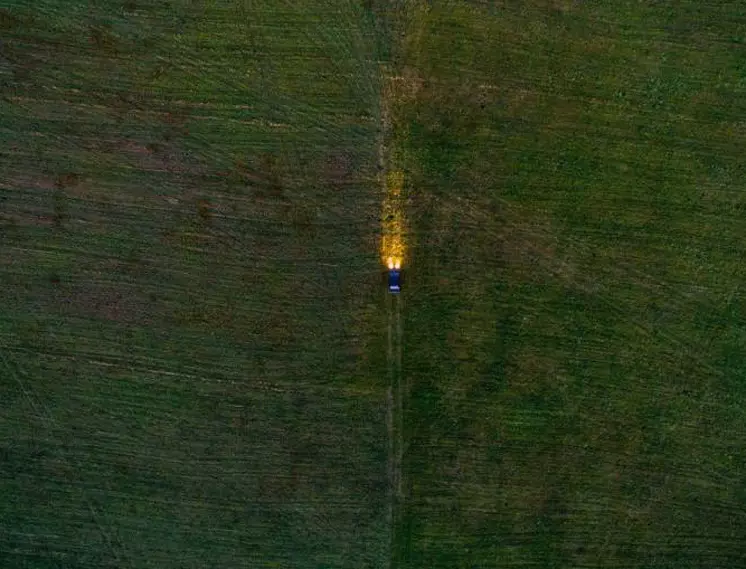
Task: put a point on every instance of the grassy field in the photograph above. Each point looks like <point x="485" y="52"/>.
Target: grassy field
<point x="193" y="331"/>
<point x="575" y="309"/>
<point x="190" y="336"/>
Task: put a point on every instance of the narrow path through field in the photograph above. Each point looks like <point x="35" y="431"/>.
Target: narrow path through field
<point x="395" y="418"/>
<point x="392" y="252"/>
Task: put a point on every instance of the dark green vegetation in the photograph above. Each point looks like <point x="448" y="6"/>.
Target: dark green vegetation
<point x="575" y="343"/>
<point x="190" y="338"/>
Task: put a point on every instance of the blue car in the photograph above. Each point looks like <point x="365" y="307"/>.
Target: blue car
<point x="394" y="281"/>
<point x="394" y="264"/>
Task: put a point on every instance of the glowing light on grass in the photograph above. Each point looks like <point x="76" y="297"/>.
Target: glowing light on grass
<point x="392" y="242"/>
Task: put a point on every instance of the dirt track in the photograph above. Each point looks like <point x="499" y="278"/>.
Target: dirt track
<point x="396" y="412"/>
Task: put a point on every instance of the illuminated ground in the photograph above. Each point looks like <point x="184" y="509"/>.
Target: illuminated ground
<point x="393" y="221"/>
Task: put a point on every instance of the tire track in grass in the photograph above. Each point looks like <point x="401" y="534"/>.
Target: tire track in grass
<point x="395" y="419"/>
<point x="392" y="250"/>
<point x="391" y="426"/>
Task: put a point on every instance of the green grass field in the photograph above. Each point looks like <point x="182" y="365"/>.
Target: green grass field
<point x="190" y="332"/>
<point x="575" y="321"/>
<point x="193" y="332"/>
